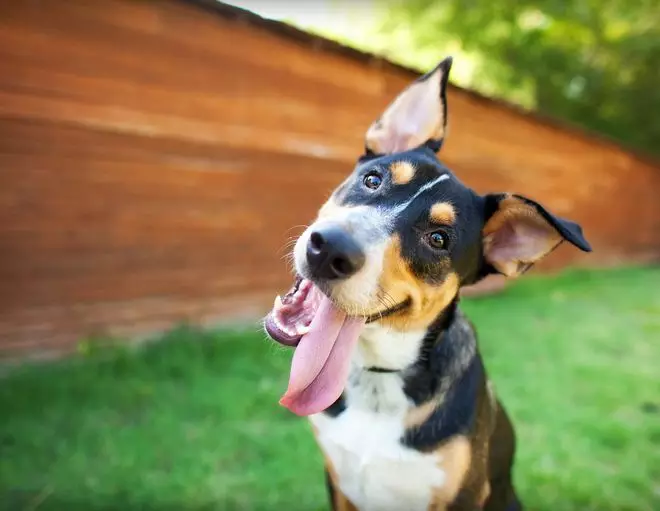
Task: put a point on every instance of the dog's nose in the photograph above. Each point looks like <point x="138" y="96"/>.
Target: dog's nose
<point x="332" y="253"/>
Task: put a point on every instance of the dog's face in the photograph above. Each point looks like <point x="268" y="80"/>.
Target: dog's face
<point x="395" y="241"/>
<point x="399" y="237"/>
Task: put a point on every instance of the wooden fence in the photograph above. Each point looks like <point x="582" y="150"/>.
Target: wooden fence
<point x="155" y="156"/>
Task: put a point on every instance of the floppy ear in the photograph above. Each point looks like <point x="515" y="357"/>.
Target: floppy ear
<point x="519" y="232"/>
<point x="417" y="116"/>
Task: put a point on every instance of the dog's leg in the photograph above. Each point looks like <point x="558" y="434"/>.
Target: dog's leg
<point x="502" y="495"/>
<point x="331" y="490"/>
<point x="338" y="501"/>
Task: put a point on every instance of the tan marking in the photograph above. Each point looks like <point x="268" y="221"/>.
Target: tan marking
<point x="443" y="213"/>
<point x="342" y="503"/>
<point x="454" y="457"/>
<point x="402" y="172"/>
<point x="492" y="399"/>
<point x="484" y="494"/>
<point x="400" y="284"/>
<point x="513" y="211"/>
<point x="510" y="208"/>
<point x="418" y="415"/>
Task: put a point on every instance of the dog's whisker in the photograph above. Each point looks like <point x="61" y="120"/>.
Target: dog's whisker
<point x="300" y="226"/>
<point x="288" y="245"/>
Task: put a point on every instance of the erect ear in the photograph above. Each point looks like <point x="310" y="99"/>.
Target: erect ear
<point x="519" y="232"/>
<point x="417" y="116"/>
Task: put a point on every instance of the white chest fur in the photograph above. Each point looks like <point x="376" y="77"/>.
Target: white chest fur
<point x="363" y="444"/>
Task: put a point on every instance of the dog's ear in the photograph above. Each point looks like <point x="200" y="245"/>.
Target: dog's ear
<point x="418" y="116"/>
<point x="518" y="232"/>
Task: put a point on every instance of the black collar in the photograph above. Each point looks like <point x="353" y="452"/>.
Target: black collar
<point x="381" y="370"/>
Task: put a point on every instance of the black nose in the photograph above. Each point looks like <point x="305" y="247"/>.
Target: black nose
<point x="333" y="254"/>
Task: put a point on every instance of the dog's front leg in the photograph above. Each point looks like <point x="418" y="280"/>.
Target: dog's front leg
<point x="338" y="501"/>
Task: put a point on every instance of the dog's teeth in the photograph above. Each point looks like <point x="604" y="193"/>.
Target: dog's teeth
<point x="278" y="302"/>
<point x="302" y="330"/>
<point x="283" y="328"/>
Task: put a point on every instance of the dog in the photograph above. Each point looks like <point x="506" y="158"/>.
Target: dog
<point x="386" y="365"/>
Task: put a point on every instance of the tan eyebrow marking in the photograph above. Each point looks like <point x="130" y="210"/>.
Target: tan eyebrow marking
<point x="443" y="213"/>
<point x="402" y="172"/>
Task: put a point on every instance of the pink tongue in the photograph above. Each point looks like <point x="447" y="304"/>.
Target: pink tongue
<point x="322" y="360"/>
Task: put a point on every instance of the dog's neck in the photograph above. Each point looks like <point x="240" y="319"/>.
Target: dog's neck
<point x="413" y="367"/>
<point x="382" y="349"/>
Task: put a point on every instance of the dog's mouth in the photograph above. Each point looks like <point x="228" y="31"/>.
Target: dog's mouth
<point x="324" y="336"/>
<point x="292" y="315"/>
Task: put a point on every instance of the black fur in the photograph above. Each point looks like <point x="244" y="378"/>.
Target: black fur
<point x="451" y="368"/>
<point x="455" y="416"/>
<point x="336" y="408"/>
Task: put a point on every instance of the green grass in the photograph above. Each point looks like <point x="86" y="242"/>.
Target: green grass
<point x="193" y="422"/>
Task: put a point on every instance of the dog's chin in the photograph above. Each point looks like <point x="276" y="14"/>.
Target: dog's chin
<point x="373" y="310"/>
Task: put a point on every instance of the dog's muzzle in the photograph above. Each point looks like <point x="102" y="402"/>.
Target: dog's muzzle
<point x="332" y="253"/>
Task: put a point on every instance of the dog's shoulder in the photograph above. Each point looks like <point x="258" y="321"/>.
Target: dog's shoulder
<point x="447" y="388"/>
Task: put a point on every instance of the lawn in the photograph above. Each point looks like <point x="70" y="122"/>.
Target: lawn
<point x="192" y="422"/>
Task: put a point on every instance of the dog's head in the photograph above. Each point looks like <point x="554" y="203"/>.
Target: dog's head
<point x="398" y="238"/>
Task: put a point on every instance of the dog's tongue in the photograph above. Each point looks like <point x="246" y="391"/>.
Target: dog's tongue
<point x="321" y="360"/>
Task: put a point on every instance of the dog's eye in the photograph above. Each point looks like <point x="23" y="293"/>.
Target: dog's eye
<point x="373" y="180"/>
<point x="437" y="240"/>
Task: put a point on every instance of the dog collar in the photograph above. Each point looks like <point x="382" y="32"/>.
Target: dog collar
<point x="381" y="370"/>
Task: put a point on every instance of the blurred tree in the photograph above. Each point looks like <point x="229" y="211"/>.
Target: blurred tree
<point x="593" y="62"/>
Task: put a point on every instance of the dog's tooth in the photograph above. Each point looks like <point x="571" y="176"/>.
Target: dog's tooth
<point x="278" y="302"/>
<point x="282" y="327"/>
<point x="302" y="329"/>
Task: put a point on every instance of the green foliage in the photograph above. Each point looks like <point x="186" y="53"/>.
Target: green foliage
<point x="192" y="422"/>
<point x="595" y="63"/>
